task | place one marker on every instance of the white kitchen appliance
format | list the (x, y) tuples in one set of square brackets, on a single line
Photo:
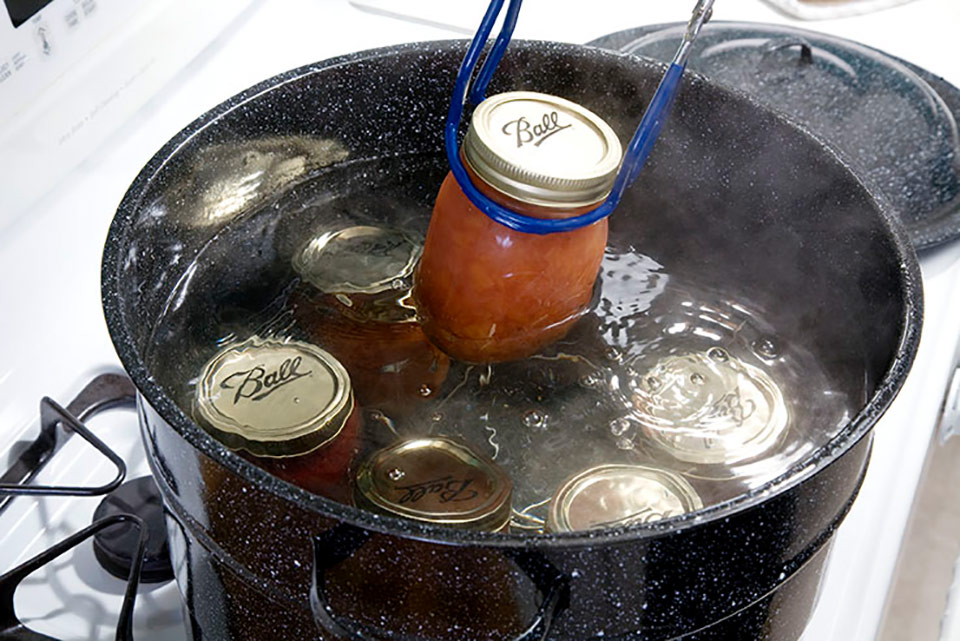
[(72, 70)]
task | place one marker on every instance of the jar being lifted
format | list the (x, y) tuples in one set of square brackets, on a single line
[(488, 293)]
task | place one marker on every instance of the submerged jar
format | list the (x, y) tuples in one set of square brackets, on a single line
[(488, 293), (288, 407), (617, 495), (354, 302)]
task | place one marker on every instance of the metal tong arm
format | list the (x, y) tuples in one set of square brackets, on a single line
[(637, 151)]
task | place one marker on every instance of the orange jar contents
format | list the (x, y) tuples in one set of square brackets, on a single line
[(487, 293), (327, 470), (392, 365)]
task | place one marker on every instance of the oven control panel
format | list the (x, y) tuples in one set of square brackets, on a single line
[(73, 71), (44, 40)]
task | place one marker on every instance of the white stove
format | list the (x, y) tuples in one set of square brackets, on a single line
[(53, 337)]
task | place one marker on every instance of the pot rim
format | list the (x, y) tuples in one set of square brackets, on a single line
[(150, 390)]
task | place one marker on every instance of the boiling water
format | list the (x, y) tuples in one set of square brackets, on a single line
[(660, 373)]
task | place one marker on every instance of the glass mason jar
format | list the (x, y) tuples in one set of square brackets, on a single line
[(436, 480), (288, 407), (485, 292)]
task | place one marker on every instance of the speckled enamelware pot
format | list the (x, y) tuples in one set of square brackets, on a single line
[(733, 193)]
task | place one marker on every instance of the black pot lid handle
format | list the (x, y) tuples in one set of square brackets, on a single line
[(894, 123), (11, 629), (340, 543)]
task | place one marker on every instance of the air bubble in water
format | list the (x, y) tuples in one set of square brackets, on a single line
[(436, 417), (619, 426), (614, 354), (697, 378), (395, 474), (485, 376), (397, 283), (765, 348), (718, 354), (591, 380), (534, 418), (425, 390)]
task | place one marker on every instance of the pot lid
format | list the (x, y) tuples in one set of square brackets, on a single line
[(895, 123)]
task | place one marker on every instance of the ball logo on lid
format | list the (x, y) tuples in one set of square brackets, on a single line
[(273, 391), (525, 134), (259, 382), (542, 150), (447, 489), (435, 480)]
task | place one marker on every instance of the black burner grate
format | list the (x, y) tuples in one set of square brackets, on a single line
[(104, 392), (116, 546), (11, 629)]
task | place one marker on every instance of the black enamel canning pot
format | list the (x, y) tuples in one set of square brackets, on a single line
[(733, 193)]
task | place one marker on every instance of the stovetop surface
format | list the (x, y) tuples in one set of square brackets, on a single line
[(53, 336)]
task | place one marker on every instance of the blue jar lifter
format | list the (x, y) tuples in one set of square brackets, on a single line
[(637, 151)]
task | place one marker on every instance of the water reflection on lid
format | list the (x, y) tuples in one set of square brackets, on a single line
[(360, 259), (436, 480), (709, 407), (611, 495)]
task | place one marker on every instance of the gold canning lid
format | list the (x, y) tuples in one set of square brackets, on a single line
[(274, 398), (436, 480), (358, 260), (542, 150), (710, 408), (616, 495)]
